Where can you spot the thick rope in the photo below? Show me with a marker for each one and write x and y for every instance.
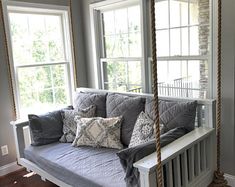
(219, 180)
(73, 43)
(155, 91)
(218, 122)
(10, 80)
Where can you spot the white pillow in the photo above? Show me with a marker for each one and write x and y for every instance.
(98, 132)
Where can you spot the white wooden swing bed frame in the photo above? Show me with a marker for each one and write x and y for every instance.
(188, 161)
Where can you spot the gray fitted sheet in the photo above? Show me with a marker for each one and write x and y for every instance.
(79, 167)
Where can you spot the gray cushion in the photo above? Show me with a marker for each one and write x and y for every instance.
(79, 166)
(128, 107)
(174, 114)
(84, 100)
(131, 155)
(70, 126)
(46, 128)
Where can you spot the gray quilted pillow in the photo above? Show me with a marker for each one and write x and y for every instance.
(84, 100)
(129, 108)
(174, 114)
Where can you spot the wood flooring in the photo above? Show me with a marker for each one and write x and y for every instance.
(22, 178)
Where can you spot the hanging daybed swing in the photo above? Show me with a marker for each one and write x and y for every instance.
(179, 157)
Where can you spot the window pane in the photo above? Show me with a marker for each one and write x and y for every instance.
(122, 32)
(108, 21)
(174, 13)
(175, 42)
(183, 78)
(163, 43)
(184, 13)
(194, 13)
(36, 38)
(116, 46)
(194, 40)
(122, 76)
(134, 19)
(42, 87)
(134, 45)
(121, 23)
(162, 16)
(55, 38)
(162, 71)
(20, 38)
(185, 43)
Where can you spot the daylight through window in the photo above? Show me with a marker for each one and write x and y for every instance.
(41, 60)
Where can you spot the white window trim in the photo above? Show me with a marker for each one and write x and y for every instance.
(69, 53)
(97, 43)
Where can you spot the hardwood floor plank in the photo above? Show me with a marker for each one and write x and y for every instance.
(22, 178)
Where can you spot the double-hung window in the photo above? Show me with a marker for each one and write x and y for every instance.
(183, 47)
(40, 56)
(118, 35)
(123, 51)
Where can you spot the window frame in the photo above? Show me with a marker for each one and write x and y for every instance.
(68, 62)
(208, 57)
(146, 44)
(96, 10)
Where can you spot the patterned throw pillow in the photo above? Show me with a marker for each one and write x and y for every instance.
(70, 126)
(143, 130)
(98, 132)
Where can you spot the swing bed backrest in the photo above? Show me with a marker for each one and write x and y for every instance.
(206, 108)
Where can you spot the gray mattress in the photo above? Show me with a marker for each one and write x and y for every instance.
(79, 167)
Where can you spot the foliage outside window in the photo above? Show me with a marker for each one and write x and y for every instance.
(41, 61)
(121, 60)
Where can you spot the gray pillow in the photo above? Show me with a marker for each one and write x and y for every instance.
(46, 128)
(84, 100)
(174, 114)
(128, 107)
(131, 155)
(70, 126)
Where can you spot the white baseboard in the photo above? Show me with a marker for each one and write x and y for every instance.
(230, 179)
(4, 170)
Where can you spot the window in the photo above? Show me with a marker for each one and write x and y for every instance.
(123, 46)
(183, 42)
(120, 40)
(41, 58)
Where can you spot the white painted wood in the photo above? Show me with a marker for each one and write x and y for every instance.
(203, 155)
(177, 173)
(191, 164)
(33, 167)
(173, 149)
(197, 159)
(169, 174)
(180, 152)
(184, 169)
